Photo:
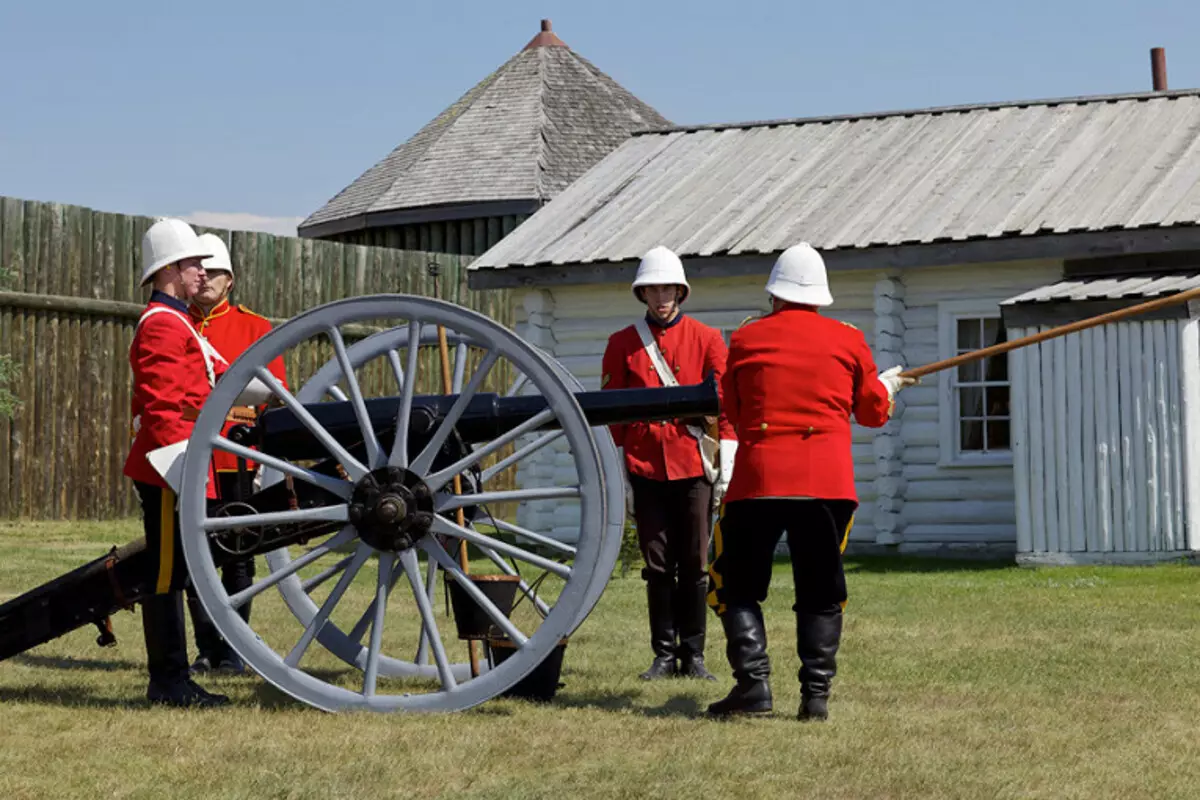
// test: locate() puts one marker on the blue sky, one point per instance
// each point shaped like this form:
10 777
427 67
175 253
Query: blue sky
257 112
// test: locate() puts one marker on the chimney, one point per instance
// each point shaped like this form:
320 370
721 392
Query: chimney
546 38
1158 68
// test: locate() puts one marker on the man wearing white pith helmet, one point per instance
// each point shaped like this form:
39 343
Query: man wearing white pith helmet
173 368
677 472
792 382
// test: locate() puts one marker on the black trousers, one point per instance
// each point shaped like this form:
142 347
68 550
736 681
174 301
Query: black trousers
744 547
162 611
673 520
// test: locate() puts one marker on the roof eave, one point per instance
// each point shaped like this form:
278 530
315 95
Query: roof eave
1083 244
448 212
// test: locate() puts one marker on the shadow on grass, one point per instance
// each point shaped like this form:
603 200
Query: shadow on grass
58 662
680 705
917 564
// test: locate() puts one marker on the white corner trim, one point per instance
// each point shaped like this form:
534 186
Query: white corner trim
949 312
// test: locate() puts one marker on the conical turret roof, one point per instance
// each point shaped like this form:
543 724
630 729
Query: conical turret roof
523 133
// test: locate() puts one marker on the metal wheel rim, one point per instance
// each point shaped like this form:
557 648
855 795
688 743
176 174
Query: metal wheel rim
193 513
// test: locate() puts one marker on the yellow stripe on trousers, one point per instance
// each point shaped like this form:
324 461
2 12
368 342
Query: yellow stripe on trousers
845 539
717 582
166 541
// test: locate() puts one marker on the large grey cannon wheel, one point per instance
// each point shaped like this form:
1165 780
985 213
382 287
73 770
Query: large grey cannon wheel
388 615
324 385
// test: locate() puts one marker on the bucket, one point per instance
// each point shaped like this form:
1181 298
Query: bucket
470 619
542 683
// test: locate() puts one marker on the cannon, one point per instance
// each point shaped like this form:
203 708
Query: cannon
363 491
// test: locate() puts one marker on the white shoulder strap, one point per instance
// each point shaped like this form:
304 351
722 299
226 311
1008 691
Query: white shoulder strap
210 353
656 356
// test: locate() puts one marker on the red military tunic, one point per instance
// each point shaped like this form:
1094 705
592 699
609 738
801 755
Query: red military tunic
170 373
664 450
792 381
232 329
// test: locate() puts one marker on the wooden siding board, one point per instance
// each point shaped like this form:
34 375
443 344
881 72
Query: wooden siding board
1073 424
1102 442
1087 438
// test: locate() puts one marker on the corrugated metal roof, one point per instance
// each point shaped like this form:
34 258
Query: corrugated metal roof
937 175
1123 287
523 133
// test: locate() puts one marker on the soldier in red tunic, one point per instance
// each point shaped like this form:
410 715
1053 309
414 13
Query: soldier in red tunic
672 487
793 380
231 330
173 368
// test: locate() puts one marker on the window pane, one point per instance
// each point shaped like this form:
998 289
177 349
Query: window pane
997 434
969 372
971 435
992 332
968 334
997 401
970 402
996 368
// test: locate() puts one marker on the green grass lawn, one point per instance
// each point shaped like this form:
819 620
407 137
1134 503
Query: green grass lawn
957 680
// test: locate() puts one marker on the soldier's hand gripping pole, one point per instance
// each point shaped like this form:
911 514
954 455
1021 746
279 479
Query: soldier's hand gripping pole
1053 333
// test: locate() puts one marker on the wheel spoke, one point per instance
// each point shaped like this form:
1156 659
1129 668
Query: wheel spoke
447 528
399 456
460 367
322 616
524 452
409 559
347 534
449 502
330 484
447 563
337 394
518 385
374 451
525 533
322 514
317 580
422 461
383 585
364 622
442 477
521 584
393 358
354 468
431 569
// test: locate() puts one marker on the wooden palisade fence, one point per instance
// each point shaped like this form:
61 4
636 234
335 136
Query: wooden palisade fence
67 316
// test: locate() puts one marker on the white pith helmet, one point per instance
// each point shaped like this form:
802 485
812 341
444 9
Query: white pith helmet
799 277
660 266
167 241
219 262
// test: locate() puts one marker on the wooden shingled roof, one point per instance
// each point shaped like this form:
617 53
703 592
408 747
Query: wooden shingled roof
523 133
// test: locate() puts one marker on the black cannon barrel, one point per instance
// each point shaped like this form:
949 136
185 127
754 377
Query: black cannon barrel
281 433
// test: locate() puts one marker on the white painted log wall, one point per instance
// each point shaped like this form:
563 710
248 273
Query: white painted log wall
953 504
1102 451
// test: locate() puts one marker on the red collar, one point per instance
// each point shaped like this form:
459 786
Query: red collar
219 310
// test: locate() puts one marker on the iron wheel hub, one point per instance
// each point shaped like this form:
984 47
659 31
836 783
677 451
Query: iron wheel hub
391 508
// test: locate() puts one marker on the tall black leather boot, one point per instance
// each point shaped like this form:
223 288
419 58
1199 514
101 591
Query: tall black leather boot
166 655
659 602
209 646
818 635
691 615
746 647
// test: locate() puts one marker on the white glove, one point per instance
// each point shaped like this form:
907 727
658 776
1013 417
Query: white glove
728 450
894 381
628 483
255 394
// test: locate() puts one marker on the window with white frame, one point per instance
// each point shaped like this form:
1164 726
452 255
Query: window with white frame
975 416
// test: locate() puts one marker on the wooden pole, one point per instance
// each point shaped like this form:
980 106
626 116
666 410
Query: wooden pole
1054 333
447 387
